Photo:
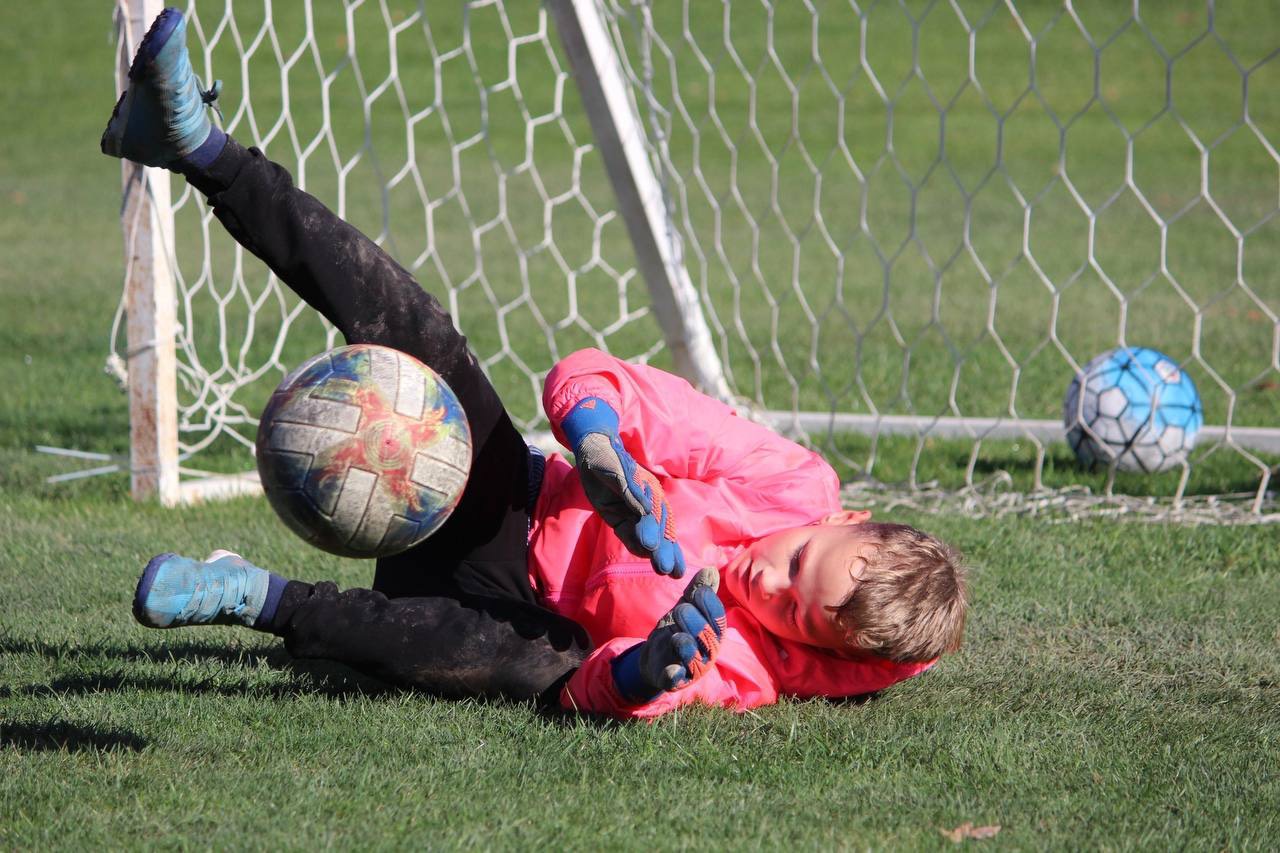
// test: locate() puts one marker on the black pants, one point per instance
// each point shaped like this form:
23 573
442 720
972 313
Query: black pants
455 615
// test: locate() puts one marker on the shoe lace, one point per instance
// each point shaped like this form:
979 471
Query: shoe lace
210 98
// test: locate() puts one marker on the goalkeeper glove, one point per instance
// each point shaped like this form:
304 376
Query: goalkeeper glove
629 498
682 646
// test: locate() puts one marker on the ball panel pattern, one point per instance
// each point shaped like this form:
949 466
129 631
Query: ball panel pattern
443 467
351 504
364 451
411 394
1135 408
336 415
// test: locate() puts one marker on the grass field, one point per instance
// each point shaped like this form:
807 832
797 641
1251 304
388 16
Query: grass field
1119 686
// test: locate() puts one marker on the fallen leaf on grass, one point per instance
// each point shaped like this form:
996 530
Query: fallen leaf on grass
968 830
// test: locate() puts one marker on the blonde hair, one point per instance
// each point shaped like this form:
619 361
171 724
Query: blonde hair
910 604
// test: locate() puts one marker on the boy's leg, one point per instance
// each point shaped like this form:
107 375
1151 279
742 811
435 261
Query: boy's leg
338 270
161 120
372 299
473 647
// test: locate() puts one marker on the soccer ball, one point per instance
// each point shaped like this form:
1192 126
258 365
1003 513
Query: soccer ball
363 451
1132 406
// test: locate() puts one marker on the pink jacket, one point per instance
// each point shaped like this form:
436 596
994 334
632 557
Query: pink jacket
728 482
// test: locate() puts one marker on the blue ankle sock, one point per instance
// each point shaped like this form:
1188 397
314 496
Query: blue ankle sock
275 589
203 157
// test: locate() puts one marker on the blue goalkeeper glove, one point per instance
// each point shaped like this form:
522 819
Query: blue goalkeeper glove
682 646
629 498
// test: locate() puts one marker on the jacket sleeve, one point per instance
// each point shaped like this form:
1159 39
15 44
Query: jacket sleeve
739 681
675 431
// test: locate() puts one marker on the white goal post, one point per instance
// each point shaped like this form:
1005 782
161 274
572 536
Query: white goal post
149 302
911 222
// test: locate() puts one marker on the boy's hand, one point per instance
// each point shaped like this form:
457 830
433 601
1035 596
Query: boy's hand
628 498
682 646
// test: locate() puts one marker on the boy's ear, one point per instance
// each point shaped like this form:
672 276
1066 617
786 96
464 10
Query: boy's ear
848 516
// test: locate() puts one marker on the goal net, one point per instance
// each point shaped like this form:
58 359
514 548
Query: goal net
895 230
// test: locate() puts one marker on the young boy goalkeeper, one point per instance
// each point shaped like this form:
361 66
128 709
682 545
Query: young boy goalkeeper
550 581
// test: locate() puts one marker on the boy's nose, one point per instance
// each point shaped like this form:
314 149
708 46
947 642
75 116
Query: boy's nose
774 583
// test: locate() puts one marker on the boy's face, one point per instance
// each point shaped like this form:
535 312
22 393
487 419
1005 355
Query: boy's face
792 581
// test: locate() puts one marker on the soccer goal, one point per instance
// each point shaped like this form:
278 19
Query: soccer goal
895 230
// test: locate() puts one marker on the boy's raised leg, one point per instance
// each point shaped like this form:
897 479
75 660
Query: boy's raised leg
372 299
161 120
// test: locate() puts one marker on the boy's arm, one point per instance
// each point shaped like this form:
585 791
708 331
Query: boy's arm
739 681
673 430
750 671
629 498
681 648
680 662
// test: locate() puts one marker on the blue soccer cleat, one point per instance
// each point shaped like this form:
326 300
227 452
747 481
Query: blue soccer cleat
226 589
161 119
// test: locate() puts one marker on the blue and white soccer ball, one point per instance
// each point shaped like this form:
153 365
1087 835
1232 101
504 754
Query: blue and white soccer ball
1134 407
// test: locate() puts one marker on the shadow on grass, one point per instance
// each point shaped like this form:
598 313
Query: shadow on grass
306 677
235 677
57 735
306 680
324 678
177 651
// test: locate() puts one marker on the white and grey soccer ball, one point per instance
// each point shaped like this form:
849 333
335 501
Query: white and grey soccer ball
1133 407
364 451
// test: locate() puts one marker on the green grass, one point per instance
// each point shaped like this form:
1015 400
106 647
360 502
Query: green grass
1118 689
1119 685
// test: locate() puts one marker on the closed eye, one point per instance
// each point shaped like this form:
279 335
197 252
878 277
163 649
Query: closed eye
793 567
